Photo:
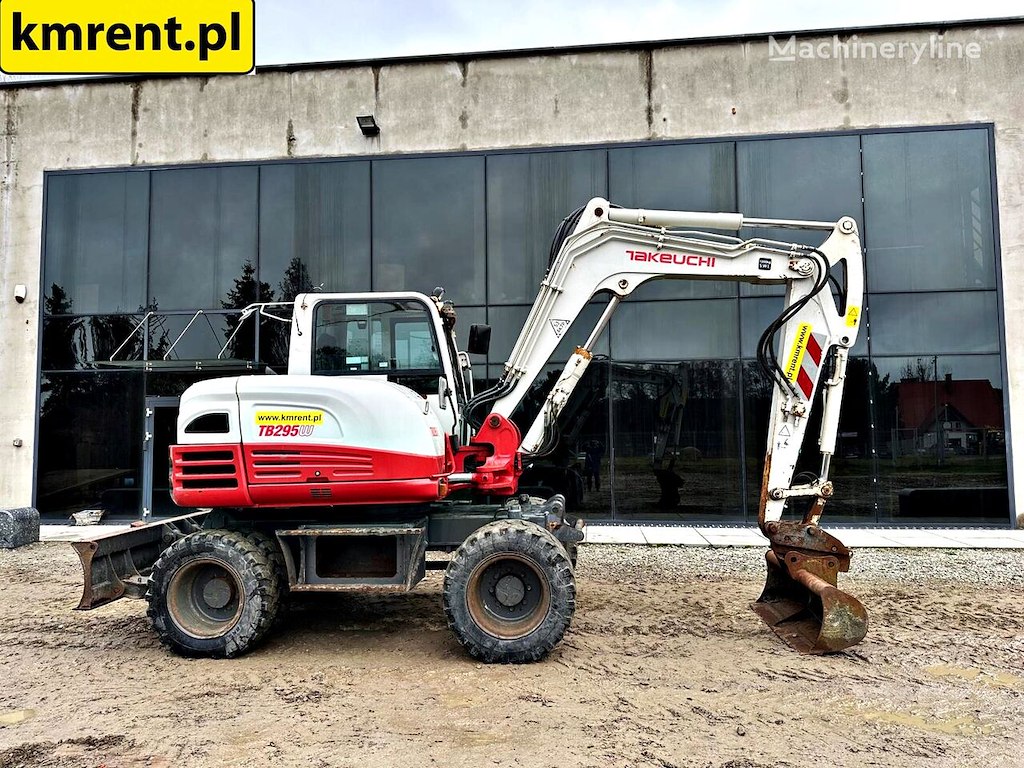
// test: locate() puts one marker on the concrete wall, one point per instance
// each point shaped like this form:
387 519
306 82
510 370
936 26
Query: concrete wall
709 89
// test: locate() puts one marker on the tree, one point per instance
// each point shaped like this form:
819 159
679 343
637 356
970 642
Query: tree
296 280
248 290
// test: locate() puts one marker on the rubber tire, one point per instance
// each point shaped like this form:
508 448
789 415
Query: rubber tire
260 588
547 553
270 546
272 550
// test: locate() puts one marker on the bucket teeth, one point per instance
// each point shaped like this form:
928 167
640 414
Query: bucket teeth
800 601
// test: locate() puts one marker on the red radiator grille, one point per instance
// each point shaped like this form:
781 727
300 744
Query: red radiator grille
199 467
277 465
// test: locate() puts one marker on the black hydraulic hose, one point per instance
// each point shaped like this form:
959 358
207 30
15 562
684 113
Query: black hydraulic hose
500 389
565 228
766 357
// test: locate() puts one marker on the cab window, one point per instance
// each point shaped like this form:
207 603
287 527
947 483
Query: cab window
391 338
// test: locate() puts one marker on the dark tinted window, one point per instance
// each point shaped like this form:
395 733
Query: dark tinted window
815 178
96 229
676 330
81 342
909 323
528 195
315 227
928 205
203 239
676 440
428 226
941 439
209 422
90 441
202 337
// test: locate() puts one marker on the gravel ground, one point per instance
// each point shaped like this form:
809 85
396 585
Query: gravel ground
664 666
977 567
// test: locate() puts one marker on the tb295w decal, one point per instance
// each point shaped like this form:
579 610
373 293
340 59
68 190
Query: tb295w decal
288 423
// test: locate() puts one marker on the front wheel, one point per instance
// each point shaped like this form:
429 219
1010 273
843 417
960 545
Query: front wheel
213 593
509 592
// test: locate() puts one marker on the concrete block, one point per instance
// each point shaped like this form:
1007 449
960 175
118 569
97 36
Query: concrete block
18 527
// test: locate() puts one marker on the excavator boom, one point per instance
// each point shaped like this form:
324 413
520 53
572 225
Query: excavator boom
611 251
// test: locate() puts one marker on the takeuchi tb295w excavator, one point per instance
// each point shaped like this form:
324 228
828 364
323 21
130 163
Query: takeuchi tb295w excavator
374 449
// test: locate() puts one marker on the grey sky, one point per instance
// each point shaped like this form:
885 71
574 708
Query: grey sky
290 31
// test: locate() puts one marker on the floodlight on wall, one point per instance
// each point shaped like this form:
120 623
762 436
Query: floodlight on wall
368 125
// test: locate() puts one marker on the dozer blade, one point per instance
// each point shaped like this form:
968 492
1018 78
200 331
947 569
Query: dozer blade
800 601
114 565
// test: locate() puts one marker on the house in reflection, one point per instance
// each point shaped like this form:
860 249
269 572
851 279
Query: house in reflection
951 416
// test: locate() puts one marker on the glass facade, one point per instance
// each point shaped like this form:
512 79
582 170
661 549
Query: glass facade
670 421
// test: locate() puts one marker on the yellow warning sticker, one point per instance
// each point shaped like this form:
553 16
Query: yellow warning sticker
796 357
852 316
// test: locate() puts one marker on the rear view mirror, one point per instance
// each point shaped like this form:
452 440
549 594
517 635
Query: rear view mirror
479 339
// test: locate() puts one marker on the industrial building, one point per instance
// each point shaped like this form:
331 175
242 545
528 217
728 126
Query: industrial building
134 208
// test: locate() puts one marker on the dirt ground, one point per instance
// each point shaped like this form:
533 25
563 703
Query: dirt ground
664 666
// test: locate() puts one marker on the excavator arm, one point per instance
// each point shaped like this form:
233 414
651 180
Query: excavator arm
611 251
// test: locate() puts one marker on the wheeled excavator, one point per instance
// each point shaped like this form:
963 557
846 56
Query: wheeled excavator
374 450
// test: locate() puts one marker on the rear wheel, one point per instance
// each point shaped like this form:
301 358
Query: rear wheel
509 592
213 593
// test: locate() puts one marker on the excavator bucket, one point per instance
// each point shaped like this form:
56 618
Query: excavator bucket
800 601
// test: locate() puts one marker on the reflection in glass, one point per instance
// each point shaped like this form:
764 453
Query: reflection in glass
928 209
428 226
315 227
941 439
95 240
915 323
528 195
89 457
575 467
202 236
675 451
71 343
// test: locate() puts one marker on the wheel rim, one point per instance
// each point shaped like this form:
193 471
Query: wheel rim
508 596
204 598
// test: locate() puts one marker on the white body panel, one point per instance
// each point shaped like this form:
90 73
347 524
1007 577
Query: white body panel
362 412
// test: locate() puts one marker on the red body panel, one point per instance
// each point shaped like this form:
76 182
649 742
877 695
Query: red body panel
299 474
267 475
